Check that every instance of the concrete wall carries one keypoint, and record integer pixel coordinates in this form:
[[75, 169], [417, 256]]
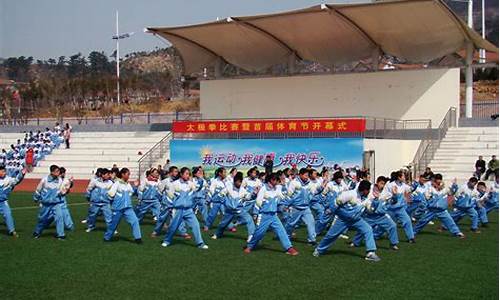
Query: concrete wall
[[415, 94], [391, 155]]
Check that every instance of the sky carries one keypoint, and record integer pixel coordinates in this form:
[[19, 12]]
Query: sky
[[52, 28]]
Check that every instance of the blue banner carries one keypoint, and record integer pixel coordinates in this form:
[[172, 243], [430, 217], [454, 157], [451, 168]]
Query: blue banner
[[246, 153]]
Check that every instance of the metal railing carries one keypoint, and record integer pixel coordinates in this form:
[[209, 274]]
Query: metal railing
[[151, 157], [124, 118], [428, 146], [379, 128], [481, 109]]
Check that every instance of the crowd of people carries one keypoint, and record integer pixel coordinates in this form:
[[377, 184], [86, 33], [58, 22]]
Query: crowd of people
[[327, 202], [28, 152]]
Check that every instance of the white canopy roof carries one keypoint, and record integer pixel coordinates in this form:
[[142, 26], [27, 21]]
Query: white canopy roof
[[417, 31]]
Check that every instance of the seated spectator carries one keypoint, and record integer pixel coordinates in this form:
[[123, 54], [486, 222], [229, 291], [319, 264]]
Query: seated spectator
[[492, 167], [480, 167]]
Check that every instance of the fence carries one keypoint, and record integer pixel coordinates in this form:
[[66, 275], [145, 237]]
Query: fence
[[158, 151], [125, 118], [380, 128], [481, 109], [428, 146]]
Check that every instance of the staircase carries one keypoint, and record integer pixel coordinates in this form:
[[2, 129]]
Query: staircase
[[91, 150], [459, 149]]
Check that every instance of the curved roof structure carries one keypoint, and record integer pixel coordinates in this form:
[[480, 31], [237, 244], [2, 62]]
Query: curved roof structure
[[417, 31]]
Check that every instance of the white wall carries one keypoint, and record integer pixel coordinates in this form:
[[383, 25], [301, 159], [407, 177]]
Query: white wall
[[391, 155], [413, 94]]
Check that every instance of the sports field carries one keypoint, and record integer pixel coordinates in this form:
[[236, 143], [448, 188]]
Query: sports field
[[84, 267]]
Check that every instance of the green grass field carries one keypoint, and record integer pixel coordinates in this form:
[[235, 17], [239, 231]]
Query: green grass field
[[83, 266]]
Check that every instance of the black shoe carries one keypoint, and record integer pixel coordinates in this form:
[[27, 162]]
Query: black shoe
[[61, 238], [412, 241], [13, 234], [138, 241], [313, 244], [485, 225], [36, 235]]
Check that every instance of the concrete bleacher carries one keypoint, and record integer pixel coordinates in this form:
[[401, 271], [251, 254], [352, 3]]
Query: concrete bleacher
[[459, 150], [90, 150], [9, 138]]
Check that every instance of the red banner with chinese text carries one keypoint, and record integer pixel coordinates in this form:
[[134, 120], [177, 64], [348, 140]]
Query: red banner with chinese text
[[270, 126]]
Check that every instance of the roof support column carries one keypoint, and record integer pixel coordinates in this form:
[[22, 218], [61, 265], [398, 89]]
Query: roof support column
[[218, 67], [291, 63], [375, 59], [468, 79]]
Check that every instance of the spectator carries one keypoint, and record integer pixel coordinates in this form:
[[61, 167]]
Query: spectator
[[428, 173], [167, 165], [67, 135], [492, 167], [268, 164], [480, 167], [30, 159]]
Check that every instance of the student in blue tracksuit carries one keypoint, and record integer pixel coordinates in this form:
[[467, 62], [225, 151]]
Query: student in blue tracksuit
[[67, 184], [200, 196], [251, 183], [234, 206], [300, 192], [485, 202], [330, 192], [316, 203], [148, 196], [376, 216], [7, 184], [49, 194], [166, 205], [268, 199], [417, 206], [120, 194], [394, 193], [97, 194], [465, 203], [348, 214], [437, 207], [181, 193], [216, 199]]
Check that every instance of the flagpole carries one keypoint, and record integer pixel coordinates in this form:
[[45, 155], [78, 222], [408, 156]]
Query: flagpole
[[117, 61]]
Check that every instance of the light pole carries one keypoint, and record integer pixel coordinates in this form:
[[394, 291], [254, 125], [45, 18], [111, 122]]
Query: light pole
[[118, 37], [482, 52]]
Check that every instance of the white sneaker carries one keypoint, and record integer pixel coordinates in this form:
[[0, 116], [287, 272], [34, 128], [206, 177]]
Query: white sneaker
[[116, 232], [213, 237], [164, 244], [372, 256], [431, 223], [83, 221], [316, 253], [343, 236], [89, 229], [204, 247]]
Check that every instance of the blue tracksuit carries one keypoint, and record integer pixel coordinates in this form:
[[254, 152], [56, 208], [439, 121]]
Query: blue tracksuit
[[217, 200], [48, 193], [491, 201], [267, 201], [7, 184], [234, 207], [67, 219], [437, 207], [465, 204], [396, 206], [149, 199], [181, 194], [376, 216], [200, 198], [300, 194], [121, 194], [318, 199], [348, 214], [166, 207], [417, 207], [330, 193], [250, 184], [97, 193]]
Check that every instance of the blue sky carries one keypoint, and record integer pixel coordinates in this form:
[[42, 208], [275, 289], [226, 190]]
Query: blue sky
[[51, 28]]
